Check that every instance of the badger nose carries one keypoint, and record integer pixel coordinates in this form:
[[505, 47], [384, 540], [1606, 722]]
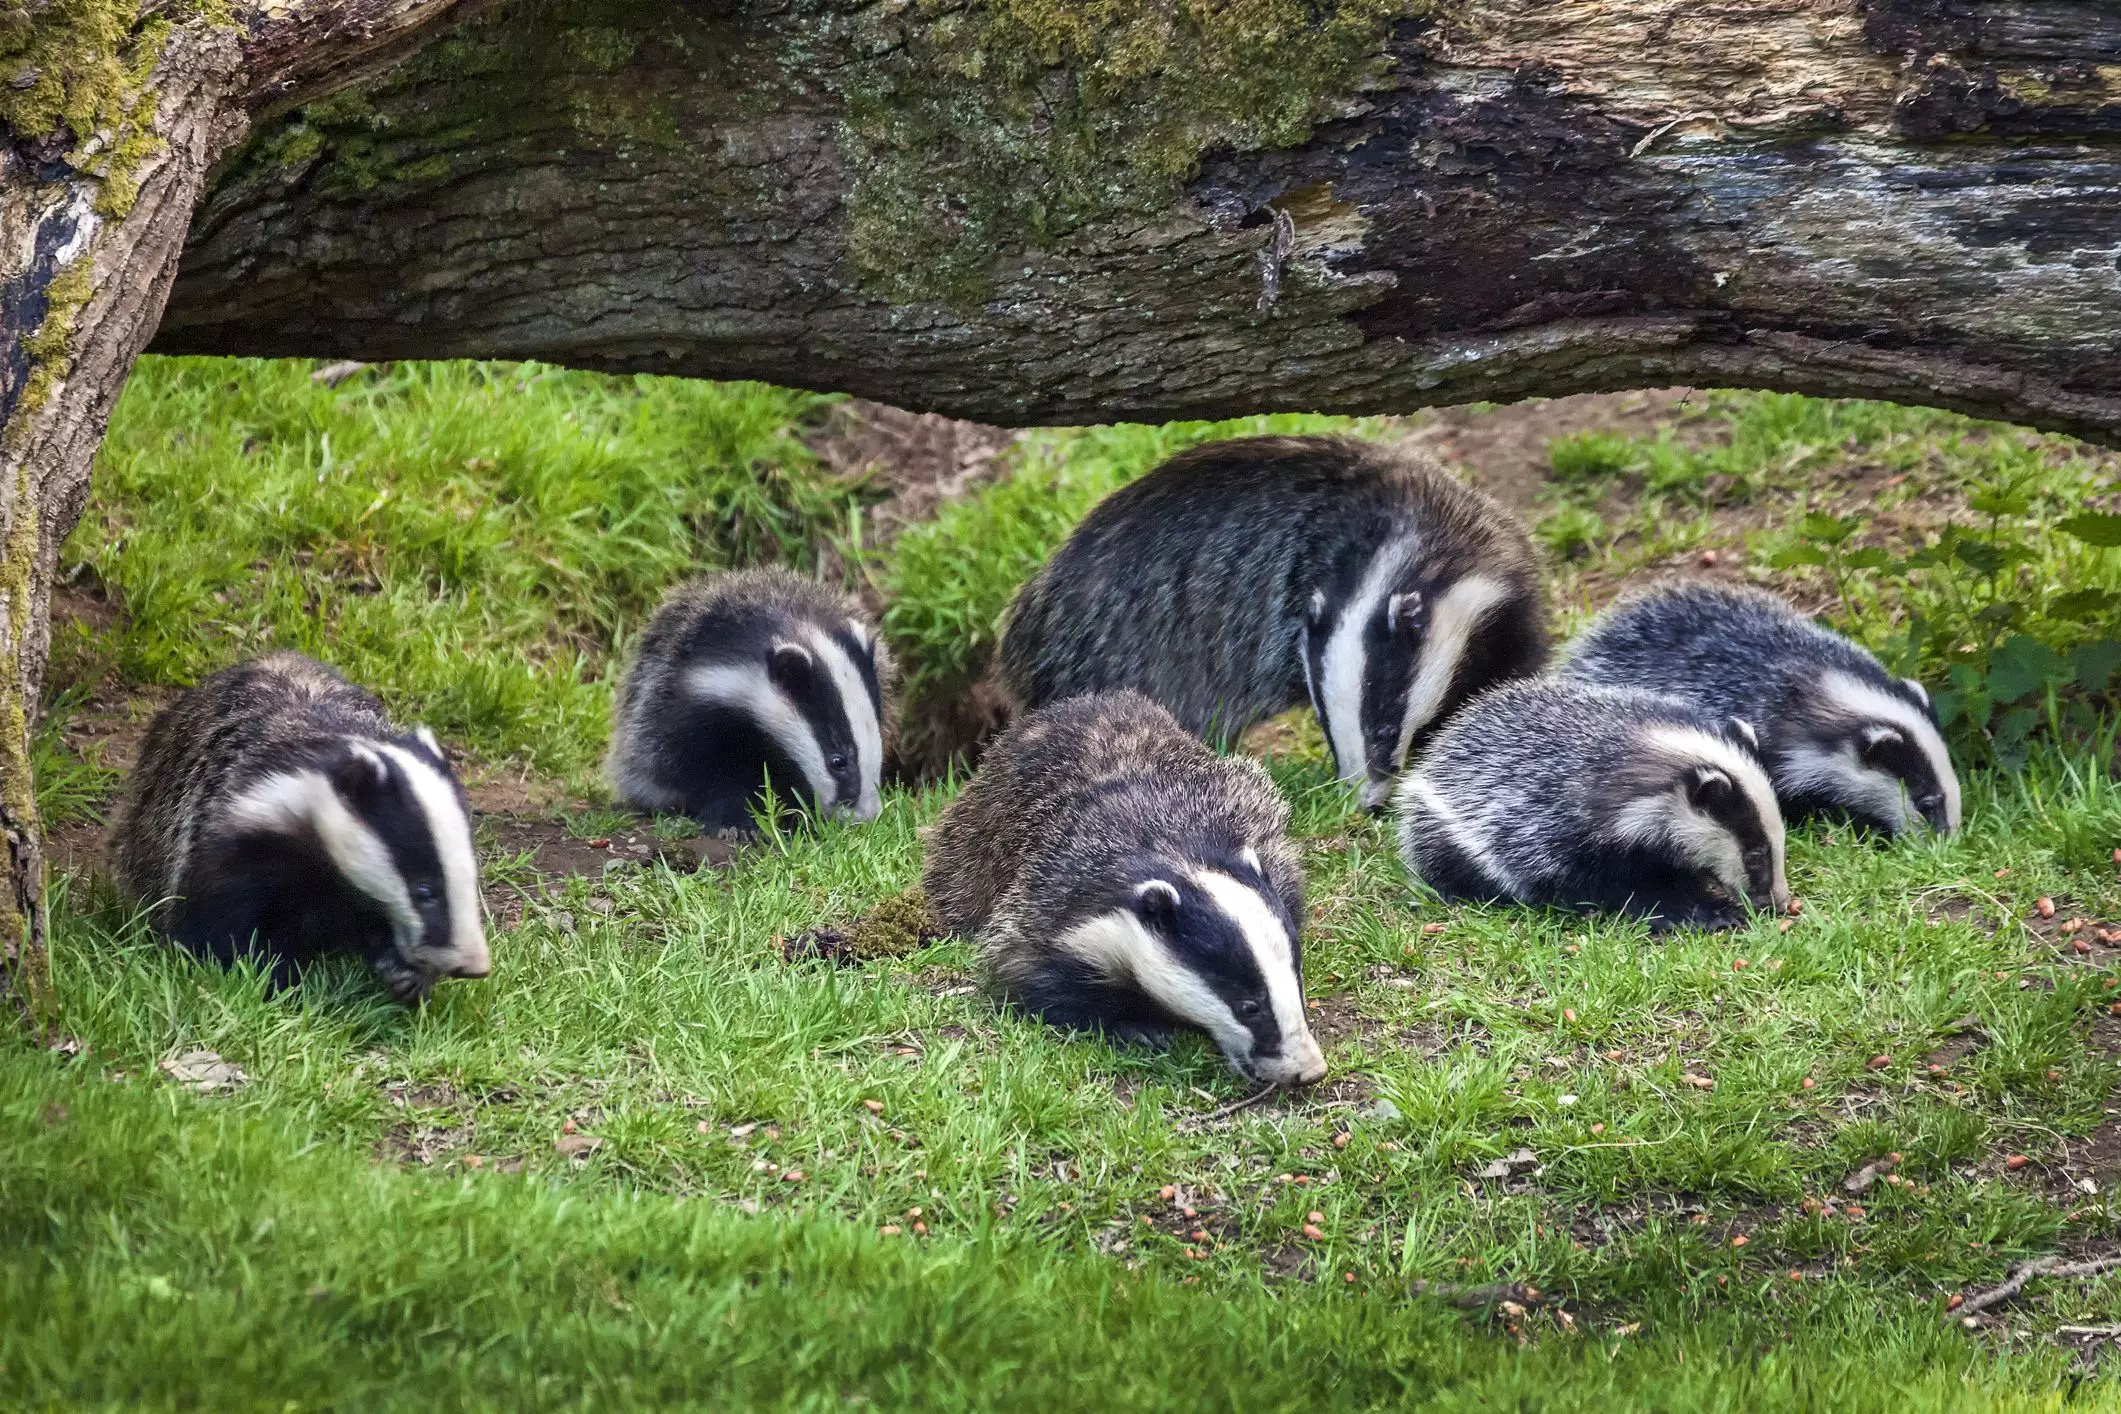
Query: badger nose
[[1300, 1063], [867, 809], [472, 962], [1376, 792]]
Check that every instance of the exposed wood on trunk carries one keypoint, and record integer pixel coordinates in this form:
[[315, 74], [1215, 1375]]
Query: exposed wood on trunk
[[1913, 199]]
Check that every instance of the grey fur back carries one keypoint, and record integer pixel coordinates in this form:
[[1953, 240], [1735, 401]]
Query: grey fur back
[[1068, 796], [1191, 584], [1732, 651], [237, 726]]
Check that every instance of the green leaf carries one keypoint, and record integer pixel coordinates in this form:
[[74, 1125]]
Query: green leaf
[[1818, 525], [2095, 663], [1995, 501], [2024, 665], [1948, 703], [1870, 557], [2093, 528], [1798, 553], [2002, 614], [2082, 605], [2016, 726], [1978, 556]]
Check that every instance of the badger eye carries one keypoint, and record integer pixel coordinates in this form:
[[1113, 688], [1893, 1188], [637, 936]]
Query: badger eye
[[424, 891], [837, 761], [1248, 1008]]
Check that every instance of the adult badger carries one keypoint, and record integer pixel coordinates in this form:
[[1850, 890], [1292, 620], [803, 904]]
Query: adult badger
[[1120, 876], [1575, 796], [276, 813], [747, 679], [1837, 731], [1241, 577]]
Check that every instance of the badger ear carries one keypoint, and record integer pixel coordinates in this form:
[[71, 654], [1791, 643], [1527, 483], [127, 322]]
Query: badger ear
[[1922, 694], [360, 773], [1315, 611], [1743, 731], [1707, 788], [1401, 610], [1156, 898], [1871, 744], [1250, 858], [426, 738], [788, 664]]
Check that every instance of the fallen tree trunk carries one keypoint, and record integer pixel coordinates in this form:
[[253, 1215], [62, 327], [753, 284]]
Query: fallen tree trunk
[[1029, 211], [1007, 212]]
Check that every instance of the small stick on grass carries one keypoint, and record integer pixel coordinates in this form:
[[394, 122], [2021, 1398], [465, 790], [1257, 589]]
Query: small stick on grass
[[1234, 1106], [2026, 1271]]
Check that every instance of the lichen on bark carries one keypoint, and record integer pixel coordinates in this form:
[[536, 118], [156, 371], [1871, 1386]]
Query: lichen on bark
[[76, 71], [987, 127]]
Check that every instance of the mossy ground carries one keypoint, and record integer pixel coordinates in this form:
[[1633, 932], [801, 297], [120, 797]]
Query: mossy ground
[[649, 1162]]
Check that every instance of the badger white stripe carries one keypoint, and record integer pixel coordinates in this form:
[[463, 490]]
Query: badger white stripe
[[1416, 792], [1671, 817], [1274, 953], [1343, 665], [1121, 947], [293, 800], [451, 828], [1857, 698], [745, 687], [861, 717], [1451, 624]]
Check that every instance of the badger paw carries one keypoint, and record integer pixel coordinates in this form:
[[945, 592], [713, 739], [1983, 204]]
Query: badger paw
[[1153, 1038]]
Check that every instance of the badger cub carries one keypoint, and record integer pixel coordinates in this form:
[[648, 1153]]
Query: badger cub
[[1837, 731], [276, 813], [1120, 876], [1243, 577], [747, 679], [1596, 798]]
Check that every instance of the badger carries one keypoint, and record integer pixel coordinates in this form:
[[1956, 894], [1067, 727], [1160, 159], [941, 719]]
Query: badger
[[1119, 876], [1838, 733], [746, 681], [277, 814], [1242, 577], [1596, 798]]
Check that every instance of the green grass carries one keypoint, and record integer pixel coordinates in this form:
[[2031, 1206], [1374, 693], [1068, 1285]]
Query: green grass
[[472, 540], [380, 1216]]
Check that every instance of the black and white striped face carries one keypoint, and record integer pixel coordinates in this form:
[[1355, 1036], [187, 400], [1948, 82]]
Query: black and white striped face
[[392, 820], [1214, 948], [1714, 807], [1873, 751], [1394, 656], [818, 698]]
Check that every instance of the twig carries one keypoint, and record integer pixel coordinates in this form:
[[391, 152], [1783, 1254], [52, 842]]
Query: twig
[[1475, 1298], [2026, 1271], [2088, 1330], [1234, 1106]]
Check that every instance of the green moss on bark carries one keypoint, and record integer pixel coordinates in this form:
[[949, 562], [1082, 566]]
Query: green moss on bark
[[1010, 123], [79, 69]]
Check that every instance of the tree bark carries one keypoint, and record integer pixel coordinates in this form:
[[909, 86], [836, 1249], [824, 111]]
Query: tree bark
[[1910, 199], [94, 208]]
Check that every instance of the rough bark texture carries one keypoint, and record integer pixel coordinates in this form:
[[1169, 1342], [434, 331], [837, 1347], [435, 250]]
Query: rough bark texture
[[91, 225], [1912, 199]]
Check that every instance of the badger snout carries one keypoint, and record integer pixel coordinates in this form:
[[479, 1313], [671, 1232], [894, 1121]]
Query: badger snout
[[865, 809], [1377, 792], [471, 962], [1300, 1063]]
